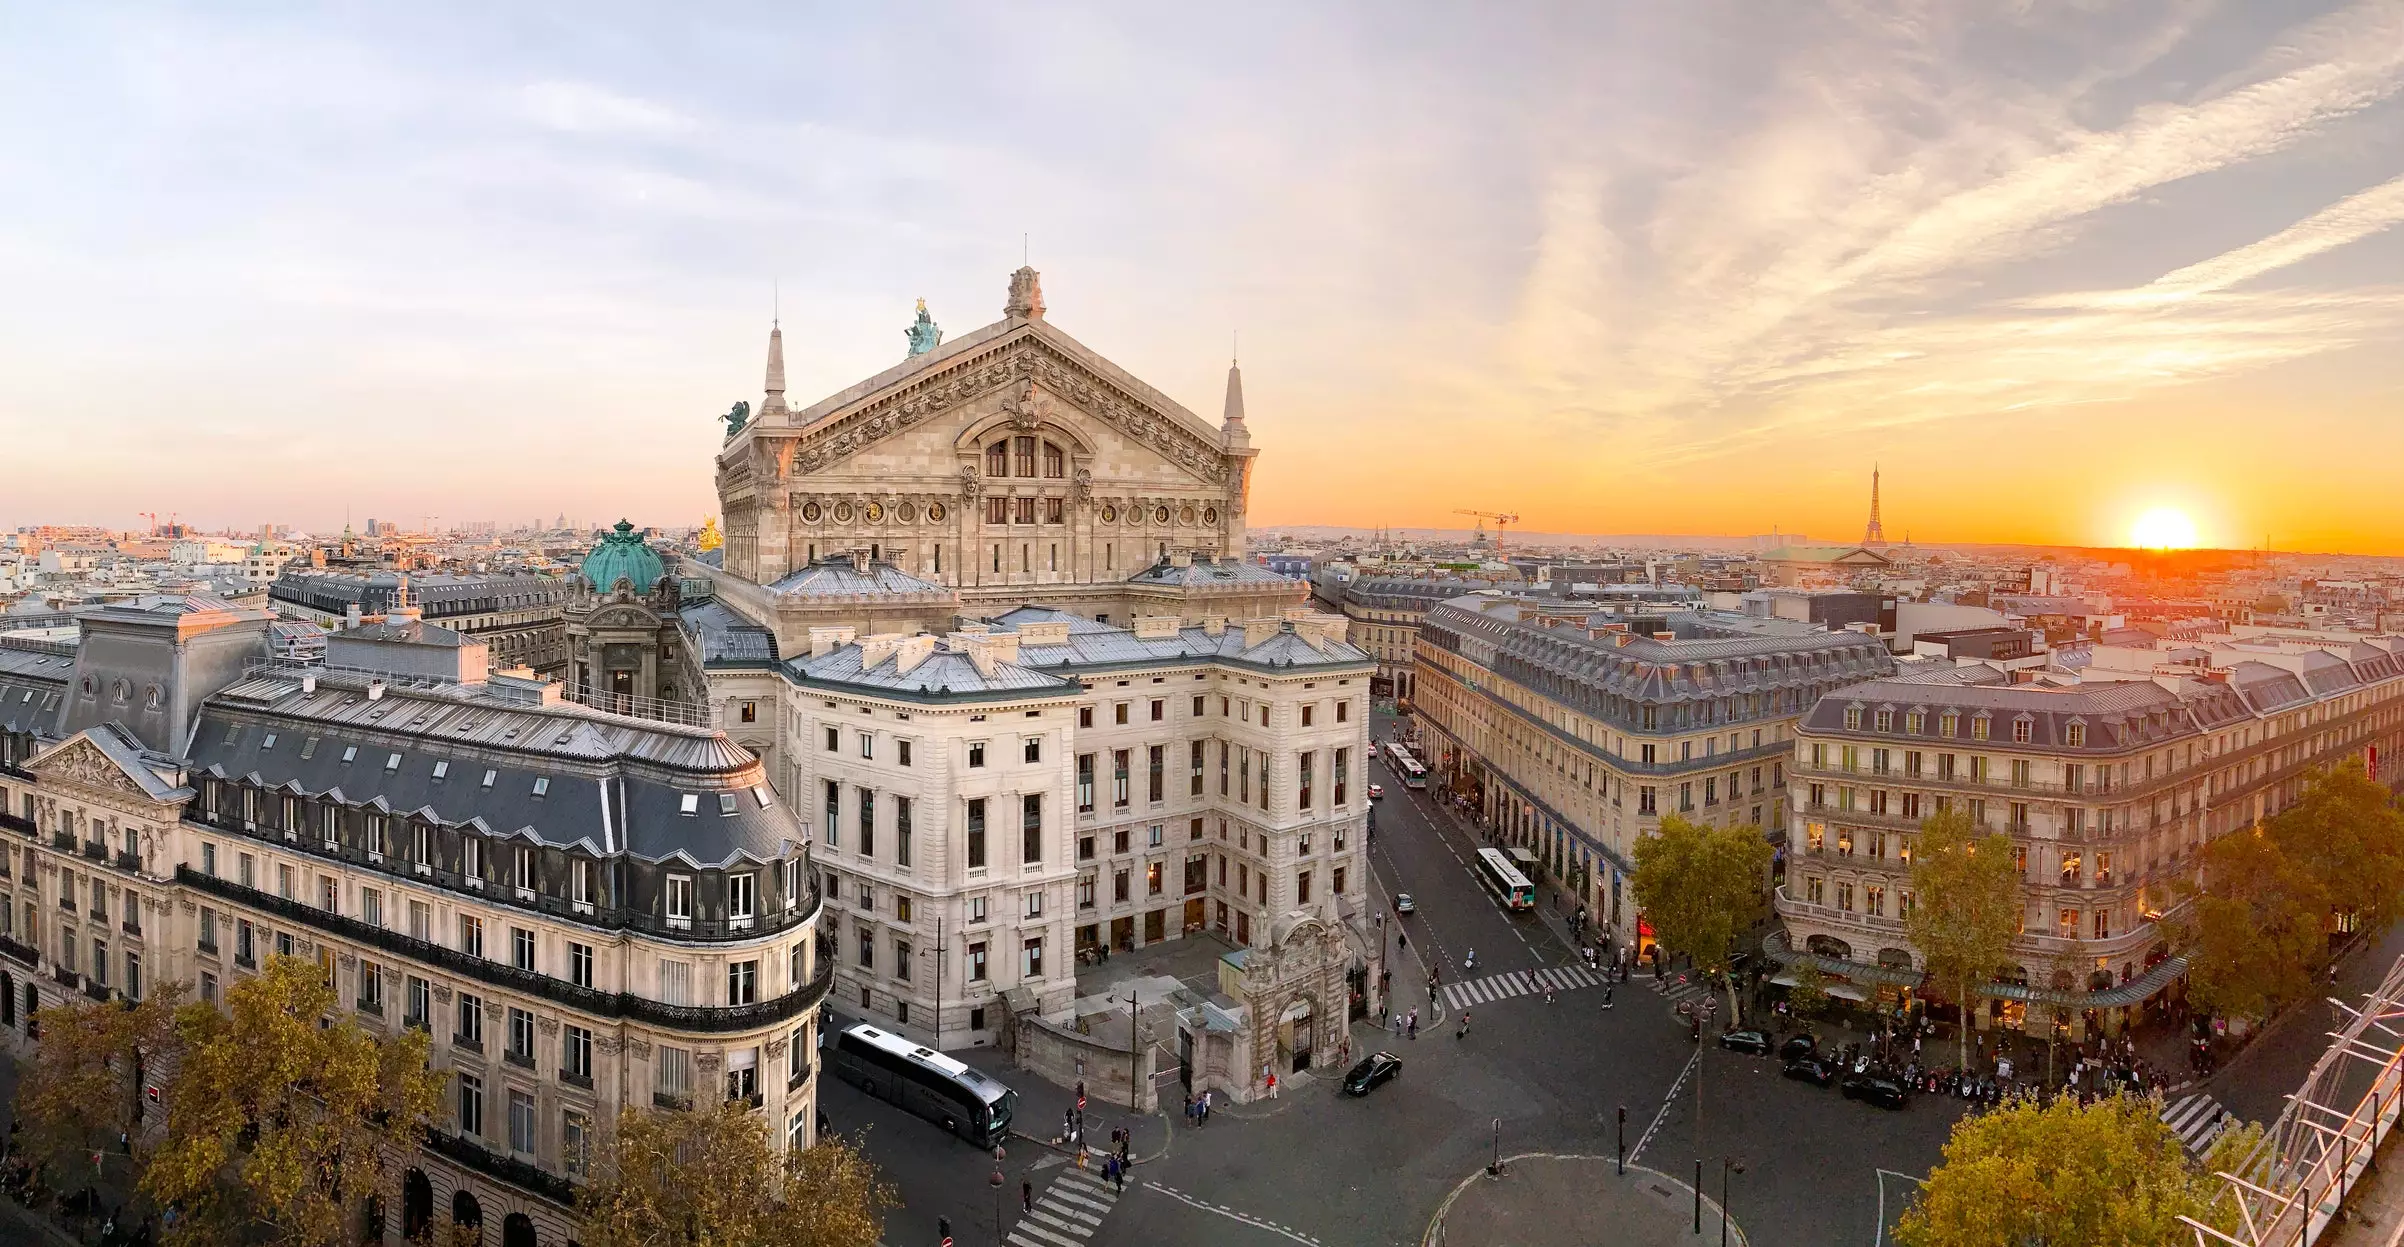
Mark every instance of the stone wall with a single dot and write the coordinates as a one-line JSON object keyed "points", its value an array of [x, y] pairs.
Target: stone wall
{"points": [[1057, 1054]]}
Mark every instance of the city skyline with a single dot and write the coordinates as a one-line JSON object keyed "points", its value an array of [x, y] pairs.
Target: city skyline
{"points": [[445, 264]]}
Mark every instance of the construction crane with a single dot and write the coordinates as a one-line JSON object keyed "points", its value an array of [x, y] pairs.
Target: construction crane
{"points": [[1499, 518], [153, 517]]}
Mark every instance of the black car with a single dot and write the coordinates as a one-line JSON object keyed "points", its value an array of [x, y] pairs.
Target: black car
{"points": [[1798, 1046], [1877, 1087], [1812, 1069], [1373, 1069], [1752, 1041]]}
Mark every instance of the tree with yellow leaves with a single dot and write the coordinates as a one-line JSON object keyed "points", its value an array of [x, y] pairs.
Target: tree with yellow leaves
{"points": [[1967, 907], [708, 1177], [2109, 1174], [282, 1113], [84, 1091]]}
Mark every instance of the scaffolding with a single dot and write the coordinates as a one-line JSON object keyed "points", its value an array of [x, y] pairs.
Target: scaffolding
{"points": [[2286, 1192]]}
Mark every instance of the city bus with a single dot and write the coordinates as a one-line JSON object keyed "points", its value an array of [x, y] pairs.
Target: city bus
{"points": [[1504, 880], [924, 1081], [1407, 767]]}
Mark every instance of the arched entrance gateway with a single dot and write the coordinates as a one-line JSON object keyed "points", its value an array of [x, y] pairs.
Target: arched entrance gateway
{"points": [[417, 1206], [1294, 990], [517, 1230]]}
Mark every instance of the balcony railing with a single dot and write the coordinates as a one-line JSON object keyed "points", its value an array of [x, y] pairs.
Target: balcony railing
{"points": [[507, 1168], [131, 925], [473, 1045], [375, 1007], [19, 823], [702, 1018], [523, 1060], [127, 861], [63, 840], [95, 850], [95, 990], [66, 977], [23, 953], [575, 1080], [670, 1100]]}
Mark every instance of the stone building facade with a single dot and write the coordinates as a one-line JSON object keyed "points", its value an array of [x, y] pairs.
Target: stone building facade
{"points": [[2107, 787], [1577, 730], [586, 911]]}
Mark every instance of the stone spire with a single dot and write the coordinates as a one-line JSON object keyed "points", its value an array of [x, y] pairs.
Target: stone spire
{"points": [[1026, 295], [1231, 424], [1875, 536], [776, 369]]}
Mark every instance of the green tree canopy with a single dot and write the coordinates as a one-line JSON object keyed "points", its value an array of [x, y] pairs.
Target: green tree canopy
{"points": [[2253, 927], [2108, 1174], [84, 1088], [1700, 887], [2347, 836], [708, 1177], [282, 1111], [1966, 907]]}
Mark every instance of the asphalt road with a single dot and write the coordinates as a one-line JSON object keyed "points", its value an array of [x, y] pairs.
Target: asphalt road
{"points": [[1318, 1168]]}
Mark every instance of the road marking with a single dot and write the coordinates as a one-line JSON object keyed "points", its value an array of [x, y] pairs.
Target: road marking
{"points": [[1496, 987], [2198, 1121], [1666, 1102], [1231, 1214], [1060, 1218]]}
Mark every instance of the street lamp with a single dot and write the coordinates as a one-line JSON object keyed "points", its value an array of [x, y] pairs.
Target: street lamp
{"points": [[1728, 1164]]}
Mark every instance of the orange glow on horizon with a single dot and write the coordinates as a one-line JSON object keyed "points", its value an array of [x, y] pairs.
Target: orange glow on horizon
{"points": [[2163, 528]]}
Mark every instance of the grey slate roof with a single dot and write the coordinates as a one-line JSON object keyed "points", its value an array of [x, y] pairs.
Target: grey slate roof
{"points": [[1714, 654], [143, 766], [410, 632], [614, 785], [1225, 573], [723, 638], [31, 682], [2118, 716], [838, 578], [940, 674]]}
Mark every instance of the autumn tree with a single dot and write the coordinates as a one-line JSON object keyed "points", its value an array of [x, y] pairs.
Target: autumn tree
{"points": [[2252, 929], [2065, 1175], [1966, 906], [1809, 995], [84, 1090], [2347, 836], [709, 1177], [282, 1112], [1700, 887]]}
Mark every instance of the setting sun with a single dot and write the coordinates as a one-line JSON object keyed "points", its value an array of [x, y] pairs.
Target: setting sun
{"points": [[2163, 529]]}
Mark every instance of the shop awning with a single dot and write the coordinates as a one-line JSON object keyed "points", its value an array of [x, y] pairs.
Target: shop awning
{"points": [[2136, 991], [1845, 990]]}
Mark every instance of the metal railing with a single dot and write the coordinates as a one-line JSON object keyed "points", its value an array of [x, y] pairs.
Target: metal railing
{"points": [[2289, 1190], [701, 1018], [494, 1164]]}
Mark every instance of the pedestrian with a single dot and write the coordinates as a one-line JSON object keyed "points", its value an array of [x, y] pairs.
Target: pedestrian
{"points": [[1026, 1196], [1272, 1084], [1463, 1033], [1068, 1125], [1189, 1106], [1548, 995], [1118, 1176], [1606, 995], [1414, 1023]]}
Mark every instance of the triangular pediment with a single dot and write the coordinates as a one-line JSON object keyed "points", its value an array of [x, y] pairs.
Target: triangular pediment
{"points": [[81, 762], [985, 375]]}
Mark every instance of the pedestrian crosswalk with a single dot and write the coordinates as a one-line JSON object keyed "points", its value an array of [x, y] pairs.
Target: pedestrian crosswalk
{"points": [[1680, 987], [1495, 987], [1070, 1211], [2197, 1120]]}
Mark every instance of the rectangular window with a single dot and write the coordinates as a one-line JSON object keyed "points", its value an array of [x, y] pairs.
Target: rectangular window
{"points": [[1342, 777], [471, 1105], [521, 1034], [576, 1052], [976, 963], [1302, 888], [867, 822], [742, 983], [471, 1022], [976, 754], [680, 900], [976, 833], [1194, 755], [1155, 773], [580, 965], [901, 831], [580, 885], [868, 744], [575, 1142], [1031, 827], [1302, 787], [1118, 778], [1034, 749], [742, 899], [1032, 961], [1085, 782], [521, 948], [471, 935]]}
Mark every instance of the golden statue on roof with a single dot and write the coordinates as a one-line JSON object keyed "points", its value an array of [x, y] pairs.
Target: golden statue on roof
{"points": [[710, 538]]}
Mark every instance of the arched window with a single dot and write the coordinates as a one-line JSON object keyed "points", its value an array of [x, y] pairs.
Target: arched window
{"points": [[1026, 455], [997, 458], [1055, 464]]}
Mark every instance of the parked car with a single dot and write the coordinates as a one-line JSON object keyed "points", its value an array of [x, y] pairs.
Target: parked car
{"points": [[1798, 1046], [1377, 792], [1376, 1068], [1877, 1087], [1403, 903], [1752, 1041], [1812, 1069]]}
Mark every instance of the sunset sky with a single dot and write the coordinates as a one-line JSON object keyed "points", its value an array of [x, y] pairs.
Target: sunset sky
{"points": [[1618, 267]]}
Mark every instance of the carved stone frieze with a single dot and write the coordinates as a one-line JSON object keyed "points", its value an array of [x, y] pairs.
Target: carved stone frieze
{"points": [[707, 1063], [546, 1027], [612, 1045], [442, 993], [638, 1047], [776, 1048]]}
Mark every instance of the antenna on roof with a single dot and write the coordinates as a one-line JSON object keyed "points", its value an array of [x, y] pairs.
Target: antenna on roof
{"points": [[1025, 250]]}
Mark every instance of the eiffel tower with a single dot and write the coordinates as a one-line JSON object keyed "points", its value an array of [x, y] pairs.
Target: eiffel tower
{"points": [[1874, 537]]}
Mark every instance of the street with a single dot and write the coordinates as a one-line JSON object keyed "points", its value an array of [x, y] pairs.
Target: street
{"points": [[1530, 1077]]}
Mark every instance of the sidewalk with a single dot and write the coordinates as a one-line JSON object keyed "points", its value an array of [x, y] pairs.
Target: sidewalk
{"points": [[1574, 1201]]}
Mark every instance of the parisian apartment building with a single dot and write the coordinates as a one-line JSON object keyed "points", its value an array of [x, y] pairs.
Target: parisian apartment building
{"points": [[585, 911], [2108, 780], [1575, 729]]}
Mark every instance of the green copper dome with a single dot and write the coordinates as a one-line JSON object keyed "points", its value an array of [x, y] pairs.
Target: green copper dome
{"points": [[623, 555]]}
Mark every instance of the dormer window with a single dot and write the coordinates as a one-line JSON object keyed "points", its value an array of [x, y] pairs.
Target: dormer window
{"points": [[680, 901], [441, 769], [2074, 735], [726, 804], [542, 785], [350, 753], [688, 804], [742, 896], [490, 776], [1852, 718], [2022, 729], [268, 743], [392, 762]]}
